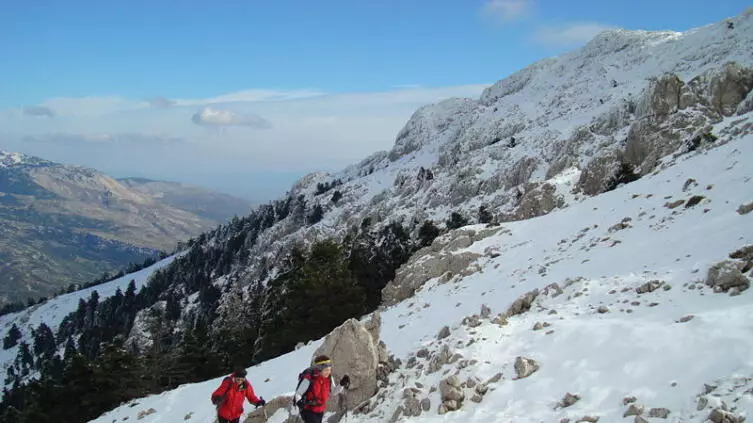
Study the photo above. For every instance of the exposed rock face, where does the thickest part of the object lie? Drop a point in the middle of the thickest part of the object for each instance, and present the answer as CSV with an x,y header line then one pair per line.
x,y
537,200
356,353
668,115
438,259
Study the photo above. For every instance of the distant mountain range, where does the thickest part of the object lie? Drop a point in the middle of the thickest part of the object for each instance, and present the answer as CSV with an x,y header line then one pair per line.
x,y
62,224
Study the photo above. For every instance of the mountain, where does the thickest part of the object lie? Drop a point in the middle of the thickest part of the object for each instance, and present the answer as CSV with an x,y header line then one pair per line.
x,y
612,171
65,224
618,312
214,206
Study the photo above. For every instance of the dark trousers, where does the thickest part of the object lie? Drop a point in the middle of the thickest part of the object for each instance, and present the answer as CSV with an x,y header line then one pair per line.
x,y
221,420
309,416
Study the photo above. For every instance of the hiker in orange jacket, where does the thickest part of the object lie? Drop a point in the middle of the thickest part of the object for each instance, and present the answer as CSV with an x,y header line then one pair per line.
x,y
228,398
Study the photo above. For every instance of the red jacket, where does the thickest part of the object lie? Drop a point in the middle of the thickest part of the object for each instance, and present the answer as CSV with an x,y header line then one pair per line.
x,y
231,407
318,392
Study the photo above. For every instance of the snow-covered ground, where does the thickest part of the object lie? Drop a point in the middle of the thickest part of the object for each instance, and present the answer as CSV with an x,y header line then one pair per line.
x,y
637,345
54,310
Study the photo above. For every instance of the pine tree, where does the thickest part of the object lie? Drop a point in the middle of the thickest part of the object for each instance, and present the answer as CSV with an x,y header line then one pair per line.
x,y
484,216
427,233
456,220
11,339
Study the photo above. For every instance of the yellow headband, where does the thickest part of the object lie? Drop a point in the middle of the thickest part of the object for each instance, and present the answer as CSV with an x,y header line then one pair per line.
x,y
318,363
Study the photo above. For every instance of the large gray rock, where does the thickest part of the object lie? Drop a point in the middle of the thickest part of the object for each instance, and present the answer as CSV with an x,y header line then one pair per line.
x,y
356,353
260,415
725,276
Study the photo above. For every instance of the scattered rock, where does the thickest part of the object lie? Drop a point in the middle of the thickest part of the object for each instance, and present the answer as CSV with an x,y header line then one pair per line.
x,y
674,204
720,416
639,419
450,389
553,290
694,200
439,360
426,404
634,410
588,419
396,415
472,321
568,400
603,309
726,275
471,382
443,333
745,208
688,183
702,403
145,413
649,286
661,413
686,319
412,407
486,312
422,353
629,400
525,367
707,389
482,389
188,416
523,303
494,379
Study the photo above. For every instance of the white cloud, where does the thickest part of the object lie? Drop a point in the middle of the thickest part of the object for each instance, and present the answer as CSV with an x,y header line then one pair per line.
x,y
217,117
505,11
568,35
310,132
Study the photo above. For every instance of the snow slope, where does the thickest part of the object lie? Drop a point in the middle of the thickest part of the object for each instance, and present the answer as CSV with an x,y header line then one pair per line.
x,y
637,346
54,310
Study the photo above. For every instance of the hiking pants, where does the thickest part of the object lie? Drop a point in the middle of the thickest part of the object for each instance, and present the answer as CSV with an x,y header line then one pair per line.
x,y
309,416
221,420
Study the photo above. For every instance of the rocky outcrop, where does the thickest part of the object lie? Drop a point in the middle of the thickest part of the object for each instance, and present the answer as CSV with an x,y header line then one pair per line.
x,y
726,276
536,200
440,258
354,352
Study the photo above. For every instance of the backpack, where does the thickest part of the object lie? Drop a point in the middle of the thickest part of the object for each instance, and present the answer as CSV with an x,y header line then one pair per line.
x,y
310,372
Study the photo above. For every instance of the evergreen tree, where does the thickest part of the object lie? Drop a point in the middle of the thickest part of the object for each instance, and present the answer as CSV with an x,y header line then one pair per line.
x,y
484,216
11,339
456,220
427,233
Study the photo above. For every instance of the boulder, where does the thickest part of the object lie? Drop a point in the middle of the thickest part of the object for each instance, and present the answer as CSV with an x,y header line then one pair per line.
x,y
726,275
525,367
356,353
260,415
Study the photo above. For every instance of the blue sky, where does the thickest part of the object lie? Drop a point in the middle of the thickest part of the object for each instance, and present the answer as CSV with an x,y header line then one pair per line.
x,y
71,63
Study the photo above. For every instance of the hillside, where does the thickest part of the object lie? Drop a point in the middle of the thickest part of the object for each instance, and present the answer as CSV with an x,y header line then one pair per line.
x,y
214,206
598,328
67,224
611,166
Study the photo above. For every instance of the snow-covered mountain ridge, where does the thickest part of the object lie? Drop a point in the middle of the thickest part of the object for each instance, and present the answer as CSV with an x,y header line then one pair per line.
x,y
621,317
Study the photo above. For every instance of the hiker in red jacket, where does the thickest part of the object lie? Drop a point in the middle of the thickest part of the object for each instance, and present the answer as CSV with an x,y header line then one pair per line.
x,y
314,388
230,395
